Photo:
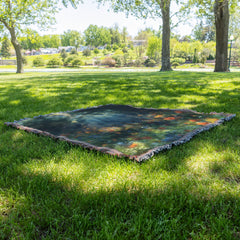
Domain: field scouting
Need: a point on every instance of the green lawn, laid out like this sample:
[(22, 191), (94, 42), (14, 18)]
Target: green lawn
[(51, 190)]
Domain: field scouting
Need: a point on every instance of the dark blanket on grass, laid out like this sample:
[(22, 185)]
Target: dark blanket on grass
[(137, 133)]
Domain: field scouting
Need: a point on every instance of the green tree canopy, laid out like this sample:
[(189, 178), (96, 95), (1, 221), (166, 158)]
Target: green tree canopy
[(51, 41), (17, 15), (31, 40), (5, 49), (97, 36), (71, 38), (145, 34), (205, 32), (234, 25), (154, 48), (115, 35), (124, 35)]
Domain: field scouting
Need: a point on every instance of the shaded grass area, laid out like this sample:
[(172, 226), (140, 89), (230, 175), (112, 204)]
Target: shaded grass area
[(51, 190)]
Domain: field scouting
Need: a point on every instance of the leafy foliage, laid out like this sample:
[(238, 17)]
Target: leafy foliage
[(63, 54), (68, 60), (138, 62), (76, 62), (119, 60), (178, 60), (109, 61), (18, 14), (38, 62), (154, 48), (5, 49), (150, 62), (73, 61), (97, 36), (24, 60), (50, 41), (115, 35), (31, 40), (74, 51), (234, 25), (54, 62), (205, 33), (175, 64), (71, 38), (96, 50), (86, 52)]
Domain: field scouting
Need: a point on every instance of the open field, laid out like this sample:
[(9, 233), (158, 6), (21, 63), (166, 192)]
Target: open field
[(52, 190)]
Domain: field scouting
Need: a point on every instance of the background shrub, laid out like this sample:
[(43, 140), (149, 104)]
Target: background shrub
[(24, 60), (130, 63), (76, 62), (74, 51), (73, 61), (63, 54), (178, 60), (38, 62), (109, 61), (109, 48), (68, 60), (86, 52), (175, 64), (96, 50), (54, 62), (138, 62), (118, 52), (105, 51), (97, 62), (125, 50), (126, 58), (119, 60), (150, 62), (115, 46)]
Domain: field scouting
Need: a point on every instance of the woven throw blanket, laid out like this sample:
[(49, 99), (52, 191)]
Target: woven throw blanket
[(125, 131)]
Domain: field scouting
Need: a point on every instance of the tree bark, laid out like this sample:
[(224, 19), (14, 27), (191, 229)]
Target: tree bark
[(221, 12), (165, 8), (17, 48)]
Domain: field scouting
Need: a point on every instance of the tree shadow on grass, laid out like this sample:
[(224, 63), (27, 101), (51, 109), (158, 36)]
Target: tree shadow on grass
[(43, 205), (69, 90), (38, 95), (113, 198)]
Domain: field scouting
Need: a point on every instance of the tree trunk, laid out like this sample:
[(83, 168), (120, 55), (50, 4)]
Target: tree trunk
[(221, 12), (165, 8), (17, 48)]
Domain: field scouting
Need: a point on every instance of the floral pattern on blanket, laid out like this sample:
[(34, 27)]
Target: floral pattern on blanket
[(131, 131)]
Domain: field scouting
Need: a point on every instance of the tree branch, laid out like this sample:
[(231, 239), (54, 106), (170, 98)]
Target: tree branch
[(5, 23)]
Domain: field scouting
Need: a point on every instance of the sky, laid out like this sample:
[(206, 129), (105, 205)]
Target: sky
[(88, 13)]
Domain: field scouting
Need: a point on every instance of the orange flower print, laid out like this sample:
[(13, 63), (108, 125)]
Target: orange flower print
[(202, 123), (178, 111), (169, 118), (109, 129), (212, 120), (158, 116), (133, 145), (193, 120)]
